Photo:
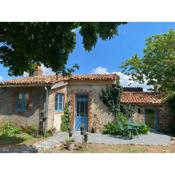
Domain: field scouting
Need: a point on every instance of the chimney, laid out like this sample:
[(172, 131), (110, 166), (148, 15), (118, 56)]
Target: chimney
[(38, 71), (133, 89)]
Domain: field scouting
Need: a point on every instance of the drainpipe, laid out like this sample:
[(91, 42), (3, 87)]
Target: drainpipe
[(46, 106)]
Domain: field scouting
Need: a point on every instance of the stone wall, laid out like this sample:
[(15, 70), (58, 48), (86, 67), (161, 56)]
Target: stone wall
[(97, 111), (8, 106), (164, 116), (165, 119), (54, 118), (139, 117)]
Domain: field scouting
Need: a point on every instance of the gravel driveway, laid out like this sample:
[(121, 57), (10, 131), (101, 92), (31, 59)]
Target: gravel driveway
[(151, 138)]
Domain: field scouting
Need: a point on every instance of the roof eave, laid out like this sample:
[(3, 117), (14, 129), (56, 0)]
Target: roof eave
[(24, 85), (144, 104)]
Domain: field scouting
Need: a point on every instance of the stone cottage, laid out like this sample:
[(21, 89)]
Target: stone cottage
[(149, 107), (39, 101)]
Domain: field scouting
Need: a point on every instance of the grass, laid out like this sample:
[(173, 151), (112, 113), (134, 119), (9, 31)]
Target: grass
[(103, 148), (18, 139), (11, 135)]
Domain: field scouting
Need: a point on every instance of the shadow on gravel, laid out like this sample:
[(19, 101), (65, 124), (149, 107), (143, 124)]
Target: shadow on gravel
[(6, 140), (121, 137), (18, 149)]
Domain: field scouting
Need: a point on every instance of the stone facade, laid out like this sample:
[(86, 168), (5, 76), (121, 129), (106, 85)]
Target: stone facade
[(139, 116), (54, 118), (96, 109), (8, 111), (163, 114), (165, 119), (98, 114)]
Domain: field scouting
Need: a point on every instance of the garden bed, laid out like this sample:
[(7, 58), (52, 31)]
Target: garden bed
[(11, 136)]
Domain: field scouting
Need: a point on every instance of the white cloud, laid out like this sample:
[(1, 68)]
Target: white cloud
[(1, 78), (126, 82), (100, 70), (26, 74), (47, 71), (124, 79)]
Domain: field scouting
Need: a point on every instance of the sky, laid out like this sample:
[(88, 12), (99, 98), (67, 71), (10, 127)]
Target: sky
[(107, 56)]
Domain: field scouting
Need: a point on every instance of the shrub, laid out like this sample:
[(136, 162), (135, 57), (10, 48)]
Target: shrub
[(125, 127), (110, 128), (143, 129), (33, 131), (10, 130), (65, 118), (50, 132)]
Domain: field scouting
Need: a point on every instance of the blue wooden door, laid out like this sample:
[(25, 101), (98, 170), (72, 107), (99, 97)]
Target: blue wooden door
[(81, 115)]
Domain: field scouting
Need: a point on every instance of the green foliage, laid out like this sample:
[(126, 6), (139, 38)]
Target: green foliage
[(143, 129), (65, 123), (68, 141), (10, 130), (125, 127), (49, 43), (50, 132), (171, 101), (33, 131), (157, 65), (110, 128), (111, 97)]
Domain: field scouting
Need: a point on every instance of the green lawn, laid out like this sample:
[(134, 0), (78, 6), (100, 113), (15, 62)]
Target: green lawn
[(18, 139)]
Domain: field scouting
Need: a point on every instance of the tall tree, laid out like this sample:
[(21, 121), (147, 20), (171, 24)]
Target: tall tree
[(26, 44), (157, 66)]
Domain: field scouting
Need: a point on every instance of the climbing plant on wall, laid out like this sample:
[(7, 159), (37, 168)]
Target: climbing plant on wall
[(111, 98), (122, 125), (65, 122)]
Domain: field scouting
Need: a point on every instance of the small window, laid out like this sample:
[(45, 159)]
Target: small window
[(22, 102), (59, 102)]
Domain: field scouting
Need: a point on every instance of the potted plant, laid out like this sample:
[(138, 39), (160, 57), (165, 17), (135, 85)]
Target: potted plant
[(85, 137), (70, 133), (70, 144), (82, 129)]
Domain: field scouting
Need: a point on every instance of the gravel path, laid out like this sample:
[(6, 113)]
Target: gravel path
[(149, 139), (55, 141)]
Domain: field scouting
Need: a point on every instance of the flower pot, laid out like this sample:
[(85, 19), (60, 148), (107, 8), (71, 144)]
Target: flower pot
[(70, 146), (82, 129), (70, 134)]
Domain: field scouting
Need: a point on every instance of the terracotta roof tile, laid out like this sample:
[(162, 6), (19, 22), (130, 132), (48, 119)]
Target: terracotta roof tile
[(51, 79), (142, 98)]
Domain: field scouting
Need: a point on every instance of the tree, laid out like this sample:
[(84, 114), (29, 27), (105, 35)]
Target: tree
[(157, 66), (26, 44)]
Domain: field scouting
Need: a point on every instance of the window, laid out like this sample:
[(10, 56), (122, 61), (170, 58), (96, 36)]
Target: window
[(22, 102), (59, 102)]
